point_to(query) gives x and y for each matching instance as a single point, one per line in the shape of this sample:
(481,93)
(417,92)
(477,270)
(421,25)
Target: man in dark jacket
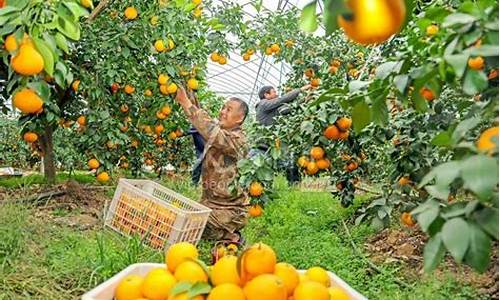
(269,107)
(199,145)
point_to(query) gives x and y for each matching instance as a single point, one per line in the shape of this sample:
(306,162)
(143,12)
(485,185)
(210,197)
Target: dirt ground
(406,248)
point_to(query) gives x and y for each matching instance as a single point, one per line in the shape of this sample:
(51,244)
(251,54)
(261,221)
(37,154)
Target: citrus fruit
(179,252)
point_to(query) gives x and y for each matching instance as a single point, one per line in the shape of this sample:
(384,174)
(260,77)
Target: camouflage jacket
(223,149)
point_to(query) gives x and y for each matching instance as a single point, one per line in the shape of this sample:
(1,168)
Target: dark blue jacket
(199,142)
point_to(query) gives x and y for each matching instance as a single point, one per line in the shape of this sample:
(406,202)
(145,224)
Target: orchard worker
(269,107)
(225,145)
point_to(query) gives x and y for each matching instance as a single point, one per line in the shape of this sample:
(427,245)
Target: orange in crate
(160,216)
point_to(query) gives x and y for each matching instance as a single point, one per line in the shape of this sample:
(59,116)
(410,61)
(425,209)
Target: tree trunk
(46,143)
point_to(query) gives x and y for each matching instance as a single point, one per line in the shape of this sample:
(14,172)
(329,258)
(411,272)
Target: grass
(16,182)
(42,260)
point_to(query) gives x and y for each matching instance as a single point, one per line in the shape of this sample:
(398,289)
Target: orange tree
(445,54)
(36,66)
(131,59)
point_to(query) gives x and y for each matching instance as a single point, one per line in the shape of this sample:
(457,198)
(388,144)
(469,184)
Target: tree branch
(97,10)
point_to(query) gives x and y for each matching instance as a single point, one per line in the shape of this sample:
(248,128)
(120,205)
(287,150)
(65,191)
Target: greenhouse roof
(243,79)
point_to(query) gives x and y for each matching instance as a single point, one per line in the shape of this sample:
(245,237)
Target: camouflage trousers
(224,223)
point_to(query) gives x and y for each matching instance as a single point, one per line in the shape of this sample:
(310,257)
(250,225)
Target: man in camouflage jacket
(225,146)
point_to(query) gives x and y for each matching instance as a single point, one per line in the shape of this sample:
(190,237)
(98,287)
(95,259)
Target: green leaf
(419,102)
(433,252)
(68,28)
(199,288)
(474,82)
(332,8)
(458,62)
(76,9)
(456,237)
(180,287)
(438,191)
(401,81)
(380,115)
(308,20)
(480,175)
(61,42)
(464,128)
(428,216)
(8,10)
(361,116)
(478,255)
(458,19)
(328,95)
(487,218)
(387,68)
(442,139)
(357,85)
(485,50)
(46,53)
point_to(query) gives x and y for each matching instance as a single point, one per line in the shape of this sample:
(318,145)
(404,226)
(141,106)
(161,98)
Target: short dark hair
(264,90)
(243,107)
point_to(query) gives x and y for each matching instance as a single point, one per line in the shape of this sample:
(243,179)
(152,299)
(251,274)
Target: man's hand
(182,98)
(305,87)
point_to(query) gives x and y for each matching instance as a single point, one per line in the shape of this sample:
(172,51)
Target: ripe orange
(159,128)
(432,30)
(275,48)
(265,287)
(30,137)
(255,211)
(289,275)
(344,123)
(317,153)
(124,108)
(193,84)
(190,271)
(130,13)
(166,110)
(331,132)
(336,293)
(226,291)
(488,140)
(103,177)
(115,87)
(93,163)
(319,275)
(476,63)
(258,259)
(129,89)
(269,51)
(246,57)
(178,132)
(164,89)
(315,82)
(351,166)
(157,284)
(129,288)
(81,120)
(184,296)
(427,94)
(160,115)
(28,61)
(160,47)
(172,88)
(407,219)
(178,253)
(163,79)
(225,270)
(10,43)
(255,189)
(197,12)
(374,21)
(222,60)
(215,57)
(27,101)
(344,135)
(172,135)
(312,168)
(303,161)
(250,51)
(134,143)
(333,69)
(335,63)
(309,73)
(75,85)
(404,180)
(311,290)
(323,164)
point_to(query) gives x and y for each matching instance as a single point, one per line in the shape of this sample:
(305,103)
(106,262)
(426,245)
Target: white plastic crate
(159,215)
(106,290)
